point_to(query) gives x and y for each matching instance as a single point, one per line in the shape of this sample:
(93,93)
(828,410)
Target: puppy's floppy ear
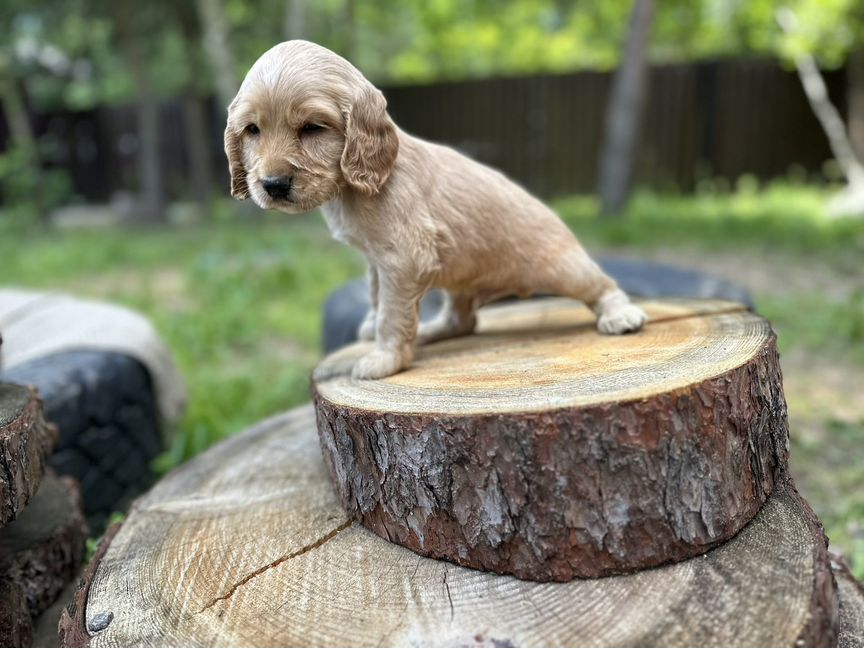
(371,143)
(234,152)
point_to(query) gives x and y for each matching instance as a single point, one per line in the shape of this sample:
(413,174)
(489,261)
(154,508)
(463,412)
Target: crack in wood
(294,554)
(449,598)
(732,310)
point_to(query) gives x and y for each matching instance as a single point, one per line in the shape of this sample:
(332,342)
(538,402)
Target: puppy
(307,129)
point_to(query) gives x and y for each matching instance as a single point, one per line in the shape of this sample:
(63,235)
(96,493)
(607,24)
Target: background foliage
(72,56)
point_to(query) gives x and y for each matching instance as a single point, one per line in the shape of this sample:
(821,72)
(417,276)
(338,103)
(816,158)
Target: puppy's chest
(344,228)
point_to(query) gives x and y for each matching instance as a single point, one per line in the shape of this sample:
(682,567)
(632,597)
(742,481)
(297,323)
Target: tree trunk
(574,454)
(217,44)
(851,201)
(826,113)
(349,27)
(855,100)
(39,554)
(832,123)
(198,149)
(151,195)
(25,442)
(247,545)
(22,136)
(624,113)
(295,20)
(196,120)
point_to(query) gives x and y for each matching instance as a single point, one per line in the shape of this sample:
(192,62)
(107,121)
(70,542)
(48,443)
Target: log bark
(25,442)
(851,611)
(40,553)
(540,448)
(247,545)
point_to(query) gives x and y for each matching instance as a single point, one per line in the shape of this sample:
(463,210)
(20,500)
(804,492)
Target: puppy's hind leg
(581,278)
(366,330)
(616,314)
(455,318)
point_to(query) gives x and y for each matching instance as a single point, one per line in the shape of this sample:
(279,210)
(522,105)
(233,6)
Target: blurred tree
(24,143)
(131,38)
(851,200)
(452,39)
(219,51)
(195,113)
(349,27)
(855,98)
(295,20)
(624,113)
(20,59)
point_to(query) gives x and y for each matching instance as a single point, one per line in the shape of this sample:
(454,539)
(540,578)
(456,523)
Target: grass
(781,215)
(239,302)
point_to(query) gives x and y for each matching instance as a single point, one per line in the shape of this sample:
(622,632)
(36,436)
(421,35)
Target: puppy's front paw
(621,318)
(379,363)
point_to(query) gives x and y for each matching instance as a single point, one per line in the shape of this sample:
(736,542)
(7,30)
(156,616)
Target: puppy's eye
(253,129)
(311,128)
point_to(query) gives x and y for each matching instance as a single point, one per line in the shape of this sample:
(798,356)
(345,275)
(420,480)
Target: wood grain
(39,554)
(590,455)
(247,545)
(25,441)
(537,355)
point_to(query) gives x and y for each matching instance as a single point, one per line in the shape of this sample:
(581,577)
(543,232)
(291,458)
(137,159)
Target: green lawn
(239,302)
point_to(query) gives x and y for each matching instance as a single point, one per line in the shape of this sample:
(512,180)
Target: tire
(104,406)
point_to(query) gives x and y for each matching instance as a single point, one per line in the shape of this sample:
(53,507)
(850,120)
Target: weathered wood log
(540,448)
(247,545)
(25,442)
(851,613)
(40,553)
(46,625)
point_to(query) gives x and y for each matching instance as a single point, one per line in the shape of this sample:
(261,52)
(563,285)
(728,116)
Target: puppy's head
(304,127)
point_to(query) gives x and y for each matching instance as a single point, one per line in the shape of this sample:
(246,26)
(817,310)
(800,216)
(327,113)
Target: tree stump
(40,553)
(851,613)
(540,448)
(25,442)
(247,545)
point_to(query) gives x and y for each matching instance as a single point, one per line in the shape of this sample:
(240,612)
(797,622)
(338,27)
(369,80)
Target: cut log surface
(40,552)
(540,448)
(247,545)
(25,442)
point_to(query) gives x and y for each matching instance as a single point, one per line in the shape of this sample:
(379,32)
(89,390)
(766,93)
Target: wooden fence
(715,119)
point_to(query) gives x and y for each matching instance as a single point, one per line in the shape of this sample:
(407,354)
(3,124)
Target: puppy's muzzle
(277,187)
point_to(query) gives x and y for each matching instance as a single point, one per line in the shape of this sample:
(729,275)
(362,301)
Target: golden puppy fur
(423,215)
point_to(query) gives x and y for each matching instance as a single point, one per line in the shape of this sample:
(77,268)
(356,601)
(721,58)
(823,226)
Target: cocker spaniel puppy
(307,129)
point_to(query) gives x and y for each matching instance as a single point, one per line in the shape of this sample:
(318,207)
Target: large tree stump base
(851,615)
(247,545)
(40,552)
(540,448)
(25,442)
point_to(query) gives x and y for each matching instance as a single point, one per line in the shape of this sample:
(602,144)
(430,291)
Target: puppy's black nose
(277,187)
